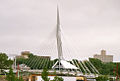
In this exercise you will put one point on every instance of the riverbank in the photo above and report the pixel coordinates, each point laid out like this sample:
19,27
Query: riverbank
2,78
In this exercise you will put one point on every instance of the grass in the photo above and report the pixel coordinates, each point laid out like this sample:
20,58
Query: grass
1,75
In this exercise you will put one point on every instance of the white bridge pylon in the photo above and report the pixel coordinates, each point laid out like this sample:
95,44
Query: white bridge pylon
61,63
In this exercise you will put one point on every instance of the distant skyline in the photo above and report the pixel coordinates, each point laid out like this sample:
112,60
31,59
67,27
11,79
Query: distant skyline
88,27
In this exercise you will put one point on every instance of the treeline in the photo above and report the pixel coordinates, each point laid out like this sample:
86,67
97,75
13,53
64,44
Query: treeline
37,62
110,68
5,62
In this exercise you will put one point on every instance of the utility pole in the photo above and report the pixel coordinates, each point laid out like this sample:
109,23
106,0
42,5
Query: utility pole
117,72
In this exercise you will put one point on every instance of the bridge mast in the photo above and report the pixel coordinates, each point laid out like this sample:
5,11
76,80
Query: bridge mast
61,63
59,41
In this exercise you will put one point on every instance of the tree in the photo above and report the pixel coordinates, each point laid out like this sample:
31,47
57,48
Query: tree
4,61
20,60
96,62
11,76
56,78
105,68
102,78
44,75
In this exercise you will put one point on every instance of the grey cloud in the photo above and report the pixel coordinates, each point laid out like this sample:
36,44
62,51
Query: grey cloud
88,26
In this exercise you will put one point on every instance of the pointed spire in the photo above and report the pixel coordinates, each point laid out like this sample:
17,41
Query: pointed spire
58,36
58,18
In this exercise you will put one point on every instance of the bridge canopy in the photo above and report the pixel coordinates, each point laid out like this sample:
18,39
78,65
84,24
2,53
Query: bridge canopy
67,65
64,65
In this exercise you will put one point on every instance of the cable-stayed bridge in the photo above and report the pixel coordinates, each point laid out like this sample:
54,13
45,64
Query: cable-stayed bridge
59,65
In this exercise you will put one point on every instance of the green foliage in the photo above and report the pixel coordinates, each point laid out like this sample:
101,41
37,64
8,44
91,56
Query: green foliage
102,78
56,78
108,68
105,68
44,75
36,62
20,60
96,62
11,76
4,61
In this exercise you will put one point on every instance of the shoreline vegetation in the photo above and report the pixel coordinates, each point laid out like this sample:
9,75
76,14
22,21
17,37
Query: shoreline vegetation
105,69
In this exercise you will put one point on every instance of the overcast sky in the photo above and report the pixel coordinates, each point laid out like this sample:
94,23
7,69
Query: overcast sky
88,26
